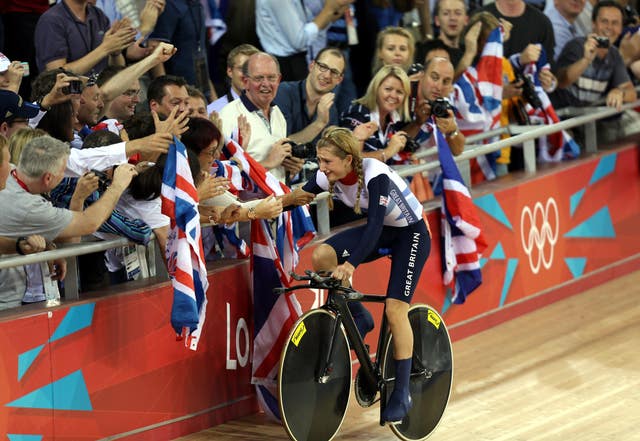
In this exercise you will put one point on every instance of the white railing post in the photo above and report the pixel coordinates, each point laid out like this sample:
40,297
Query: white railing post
322,216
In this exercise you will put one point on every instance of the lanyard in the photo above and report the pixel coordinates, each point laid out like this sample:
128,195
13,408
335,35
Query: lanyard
19,181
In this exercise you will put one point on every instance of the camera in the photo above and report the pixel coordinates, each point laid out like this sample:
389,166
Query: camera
630,16
103,180
415,68
303,151
529,90
602,42
411,145
440,107
74,87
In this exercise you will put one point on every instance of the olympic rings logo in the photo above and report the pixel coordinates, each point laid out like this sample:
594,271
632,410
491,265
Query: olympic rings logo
543,227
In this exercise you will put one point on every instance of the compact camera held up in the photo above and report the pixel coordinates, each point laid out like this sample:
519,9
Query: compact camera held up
411,146
103,180
602,42
440,107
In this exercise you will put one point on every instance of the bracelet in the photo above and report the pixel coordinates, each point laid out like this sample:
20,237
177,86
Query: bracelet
384,156
251,214
18,249
452,134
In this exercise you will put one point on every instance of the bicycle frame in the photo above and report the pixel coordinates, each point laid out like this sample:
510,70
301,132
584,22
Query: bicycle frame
337,300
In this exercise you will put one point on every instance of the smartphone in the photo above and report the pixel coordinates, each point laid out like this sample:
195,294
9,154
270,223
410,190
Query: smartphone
25,64
74,87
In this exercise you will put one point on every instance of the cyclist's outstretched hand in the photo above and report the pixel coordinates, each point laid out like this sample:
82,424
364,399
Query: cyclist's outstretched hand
343,272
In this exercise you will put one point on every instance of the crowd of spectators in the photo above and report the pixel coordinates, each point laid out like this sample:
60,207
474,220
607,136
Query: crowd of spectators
92,93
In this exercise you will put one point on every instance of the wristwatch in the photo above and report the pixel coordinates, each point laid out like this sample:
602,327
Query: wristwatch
251,214
454,133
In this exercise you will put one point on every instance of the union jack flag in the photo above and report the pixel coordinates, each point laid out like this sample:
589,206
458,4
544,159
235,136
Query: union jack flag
559,145
462,239
274,256
184,253
477,97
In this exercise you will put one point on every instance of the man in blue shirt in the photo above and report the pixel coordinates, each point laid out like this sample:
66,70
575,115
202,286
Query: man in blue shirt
563,15
308,105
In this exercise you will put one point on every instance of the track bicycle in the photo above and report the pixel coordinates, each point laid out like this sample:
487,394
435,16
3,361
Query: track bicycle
314,377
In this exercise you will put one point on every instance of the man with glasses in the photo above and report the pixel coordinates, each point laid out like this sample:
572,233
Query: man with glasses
268,144
308,105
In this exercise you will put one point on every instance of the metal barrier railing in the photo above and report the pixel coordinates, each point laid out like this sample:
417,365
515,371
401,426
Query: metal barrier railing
525,135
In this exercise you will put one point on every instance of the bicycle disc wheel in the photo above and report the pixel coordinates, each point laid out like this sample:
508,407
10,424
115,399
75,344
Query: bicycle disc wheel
430,391
313,409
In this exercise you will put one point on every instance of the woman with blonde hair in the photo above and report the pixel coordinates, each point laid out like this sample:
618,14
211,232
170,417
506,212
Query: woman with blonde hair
394,222
394,46
19,139
378,117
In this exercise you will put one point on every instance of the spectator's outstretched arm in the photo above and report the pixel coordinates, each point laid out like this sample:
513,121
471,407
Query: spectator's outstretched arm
89,220
24,245
570,74
117,38
624,93
116,85
13,77
149,15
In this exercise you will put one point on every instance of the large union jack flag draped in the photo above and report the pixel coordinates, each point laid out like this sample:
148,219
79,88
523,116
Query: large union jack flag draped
462,239
478,100
274,253
559,145
184,253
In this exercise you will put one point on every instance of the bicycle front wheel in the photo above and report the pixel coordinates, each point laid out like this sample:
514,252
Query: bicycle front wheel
314,388
431,373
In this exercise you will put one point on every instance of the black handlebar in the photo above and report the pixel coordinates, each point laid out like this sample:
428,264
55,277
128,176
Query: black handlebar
316,281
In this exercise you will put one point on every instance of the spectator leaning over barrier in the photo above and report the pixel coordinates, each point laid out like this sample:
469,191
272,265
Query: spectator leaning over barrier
268,144
75,35
25,211
591,69
23,245
235,60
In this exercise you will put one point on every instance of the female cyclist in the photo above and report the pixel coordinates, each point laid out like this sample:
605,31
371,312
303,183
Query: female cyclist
394,222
